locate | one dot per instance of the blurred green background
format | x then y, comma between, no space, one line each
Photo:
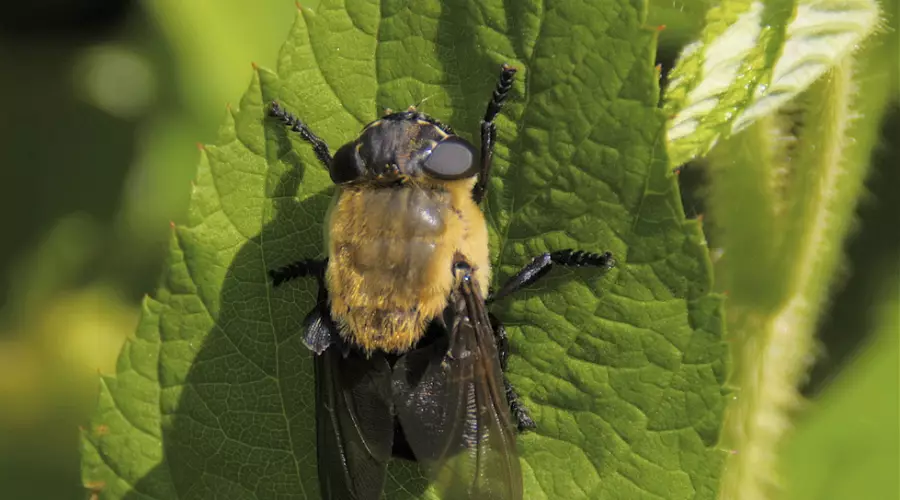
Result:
105,102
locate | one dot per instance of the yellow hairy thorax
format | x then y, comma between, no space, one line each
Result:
391,252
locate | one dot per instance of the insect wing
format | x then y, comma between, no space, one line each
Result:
451,402
354,423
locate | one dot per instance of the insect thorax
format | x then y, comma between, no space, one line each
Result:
391,252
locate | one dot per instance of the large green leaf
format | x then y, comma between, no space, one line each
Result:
623,372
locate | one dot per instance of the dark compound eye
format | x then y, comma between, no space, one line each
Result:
347,165
452,158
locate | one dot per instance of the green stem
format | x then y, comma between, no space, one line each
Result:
777,348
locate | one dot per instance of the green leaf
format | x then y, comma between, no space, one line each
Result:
623,372
751,59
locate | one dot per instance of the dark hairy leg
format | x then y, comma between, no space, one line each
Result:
517,409
541,265
534,270
489,130
321,333
320,148
302,268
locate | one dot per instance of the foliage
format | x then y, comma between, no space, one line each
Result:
624,372
627,386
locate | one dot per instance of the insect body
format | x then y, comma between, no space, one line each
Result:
408,361
393,234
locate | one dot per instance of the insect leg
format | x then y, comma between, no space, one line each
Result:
320,148
489,130
516,408
299,269
541,265
320,332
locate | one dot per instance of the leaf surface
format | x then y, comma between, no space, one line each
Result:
623,371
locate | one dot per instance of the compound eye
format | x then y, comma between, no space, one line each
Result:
452,158
346,166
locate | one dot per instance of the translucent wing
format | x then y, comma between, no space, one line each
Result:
354,423
451,403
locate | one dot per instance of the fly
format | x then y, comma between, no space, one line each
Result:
408,361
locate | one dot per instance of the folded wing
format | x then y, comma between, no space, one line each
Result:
355,426
450,399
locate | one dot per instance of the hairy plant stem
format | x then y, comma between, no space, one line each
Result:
777,343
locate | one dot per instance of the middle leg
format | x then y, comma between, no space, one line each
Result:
541,265
299,269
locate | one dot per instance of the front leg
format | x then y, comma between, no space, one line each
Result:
541,265
489,130
320,148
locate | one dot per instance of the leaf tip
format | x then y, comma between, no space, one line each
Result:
172,225
299,7
254,65
201,147
661,27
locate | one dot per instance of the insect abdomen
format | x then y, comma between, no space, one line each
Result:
390,254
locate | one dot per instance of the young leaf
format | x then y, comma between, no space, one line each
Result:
622,371
751,59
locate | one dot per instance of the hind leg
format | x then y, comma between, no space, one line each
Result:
516,407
